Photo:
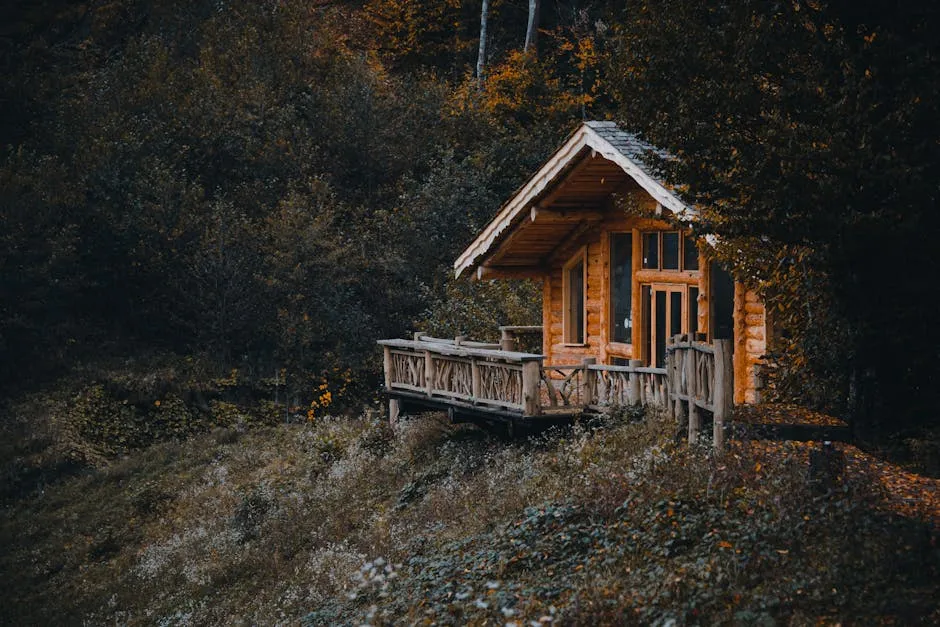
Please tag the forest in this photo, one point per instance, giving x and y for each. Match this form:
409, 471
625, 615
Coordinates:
210, 211
271, 186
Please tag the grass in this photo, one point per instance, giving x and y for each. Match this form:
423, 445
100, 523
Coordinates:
344, 521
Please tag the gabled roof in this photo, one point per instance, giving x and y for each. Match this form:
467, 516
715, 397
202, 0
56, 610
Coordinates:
597, 139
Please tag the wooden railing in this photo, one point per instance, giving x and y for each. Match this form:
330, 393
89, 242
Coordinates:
700, 377
561, 387
477, 375
625, 385
460, 372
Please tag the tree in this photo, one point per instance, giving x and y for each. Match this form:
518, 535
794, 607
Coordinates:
532, 28
481, 56
808, 133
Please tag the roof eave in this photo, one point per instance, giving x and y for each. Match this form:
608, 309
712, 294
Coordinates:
518, 204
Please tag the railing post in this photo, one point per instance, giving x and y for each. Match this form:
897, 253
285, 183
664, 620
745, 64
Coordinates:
429, 372
531, 374
387, 366
590, 383
695, 417
394, 407
476, 382
633, 392
667, 401
506, 340
676, 369
723, 390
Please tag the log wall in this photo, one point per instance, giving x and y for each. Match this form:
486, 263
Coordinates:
595, 242
750, 331
750, 339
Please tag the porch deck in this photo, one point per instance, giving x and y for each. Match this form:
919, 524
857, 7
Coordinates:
480, 381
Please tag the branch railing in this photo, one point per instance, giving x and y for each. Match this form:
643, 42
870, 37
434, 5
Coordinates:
625, 385
697, 377
461, 372
700, 377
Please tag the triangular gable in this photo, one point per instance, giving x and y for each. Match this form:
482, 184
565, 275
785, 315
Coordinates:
608, 141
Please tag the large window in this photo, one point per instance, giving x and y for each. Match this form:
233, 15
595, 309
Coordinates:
721, 298
669, 250
574, 287
621, 287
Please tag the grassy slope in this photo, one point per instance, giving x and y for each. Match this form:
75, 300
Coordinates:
344, 521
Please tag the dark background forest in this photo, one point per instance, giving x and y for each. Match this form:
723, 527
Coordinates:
267, 187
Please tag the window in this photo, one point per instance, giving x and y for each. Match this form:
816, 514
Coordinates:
669, 250
651, 250
689, 253
621, 287
721, 299
574, 286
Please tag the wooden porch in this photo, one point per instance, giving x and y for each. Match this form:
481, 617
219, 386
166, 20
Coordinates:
477, 381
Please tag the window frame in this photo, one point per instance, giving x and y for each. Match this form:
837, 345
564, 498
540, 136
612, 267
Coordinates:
648, 313
611, 322
683, 235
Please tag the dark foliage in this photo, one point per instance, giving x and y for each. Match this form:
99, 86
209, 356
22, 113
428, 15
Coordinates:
273, 186
809, 133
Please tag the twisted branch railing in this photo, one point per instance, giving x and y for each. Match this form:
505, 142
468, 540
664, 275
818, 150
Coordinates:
697, 377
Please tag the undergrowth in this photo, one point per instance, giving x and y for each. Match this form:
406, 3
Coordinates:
345, 521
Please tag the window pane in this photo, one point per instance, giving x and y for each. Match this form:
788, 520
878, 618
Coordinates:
660, 328
645, 297
671, 250
690, 261
675, 313
721, 297
621, 286
693, 310
576, 302
651, 250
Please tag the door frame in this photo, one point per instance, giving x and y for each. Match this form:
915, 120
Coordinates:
649, 313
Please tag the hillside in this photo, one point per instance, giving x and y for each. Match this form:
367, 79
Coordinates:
345, 521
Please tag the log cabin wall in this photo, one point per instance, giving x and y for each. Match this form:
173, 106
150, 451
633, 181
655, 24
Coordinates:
750, 344
594, 243
750, 333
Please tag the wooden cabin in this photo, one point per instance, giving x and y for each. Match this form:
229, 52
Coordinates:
621, 282
616, 286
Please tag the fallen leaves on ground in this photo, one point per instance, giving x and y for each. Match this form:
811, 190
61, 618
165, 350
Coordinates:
784, 414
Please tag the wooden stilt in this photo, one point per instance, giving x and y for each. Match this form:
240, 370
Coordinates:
724, 391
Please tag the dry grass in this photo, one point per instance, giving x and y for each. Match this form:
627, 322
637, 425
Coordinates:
271, 525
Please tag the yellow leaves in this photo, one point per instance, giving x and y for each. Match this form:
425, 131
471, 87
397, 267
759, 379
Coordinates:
757, 467
156, 403
724, 544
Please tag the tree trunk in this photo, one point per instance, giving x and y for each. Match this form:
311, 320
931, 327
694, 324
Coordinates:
481, 57
532, 30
